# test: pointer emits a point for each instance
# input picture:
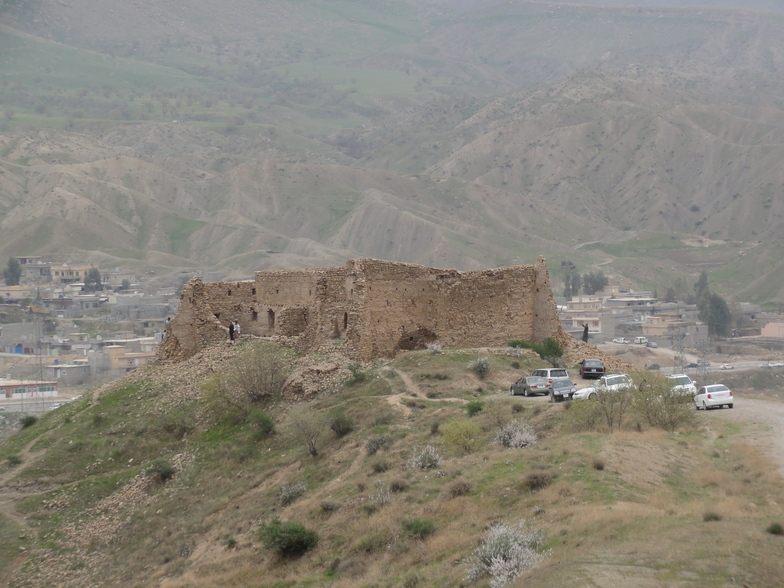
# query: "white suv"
(682, 384)
(551, 374)
(612, 383)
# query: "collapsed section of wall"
(375, 307)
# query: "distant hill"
(460, 134)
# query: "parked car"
(772, 364)
(727, 366)
(552, 374)
(530, 385)
(611, 383)
(562, 390)
(621, 341)
(641, 340)
(703, 363)
(683, 384)
(713, 395)
(652, 344)
(691, 365)
(591, 368)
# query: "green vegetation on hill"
(150, 480)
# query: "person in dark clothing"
(231, 330)
(585, 333)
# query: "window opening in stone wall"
(254, 316)
(271, 319)
(217, 315)
(345, 321)
(229, 293)
(253, 291)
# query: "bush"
(460, 487)
(340, 423)
(380, 466)
(711, 516)
(289, 493)
(506, 552)
(375, 443)
(252, 377)
(306, 426)
(262, 423)
(425, 458)
(480, 366)
(775, 529)
(474, 407)
(13, 460)
(419, 529)
(462, 434)
(287, 539)
(598, 463)
(28, 420)
(434, 347)
(398, 485)
(162, 470)
(660, 406)
(516, 435)
(329, 506)
(358, 375)
(537, 480)
(549, 349)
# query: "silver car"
(713, 395)
(530, 385)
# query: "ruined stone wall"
(378, 308)
(405, 306)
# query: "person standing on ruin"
(231, 331)
(237, 329)
(585, 332)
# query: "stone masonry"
(375, 307)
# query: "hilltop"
(156, 480)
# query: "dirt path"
(767, 413)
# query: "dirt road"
(769, 414)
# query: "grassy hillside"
(154, 480)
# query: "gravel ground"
(769, 414)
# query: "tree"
(715, 313)
(126, 284)
(12, 273)
(92, 280)
(594, 282)
(669, 296)
(701, 287)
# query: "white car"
(713, 395)
(727, 366)
(682, 384)
(612, 383)
(621, 340)
(775, 364)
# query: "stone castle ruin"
(374, 308)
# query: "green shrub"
(380, 466)
(162, 470)
(549, 349)
(418, 528)
(711, 516)
(340, 423)
(474, 407)
(775, 529)
(398, 485)
(287, 539)
(358, 375)
(661, 407)
(598, 463)
(13, 460)
(461, 434)
(28, 420)
(262, 423)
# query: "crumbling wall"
(378, 307)
(405, 306)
